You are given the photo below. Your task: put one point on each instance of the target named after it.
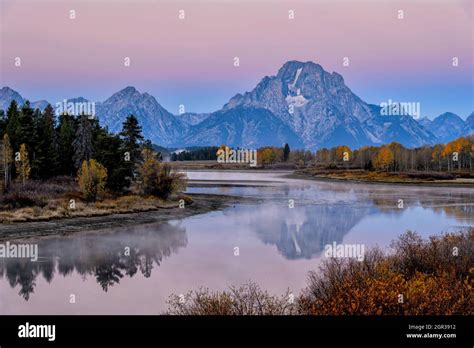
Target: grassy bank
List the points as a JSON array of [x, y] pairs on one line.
[[416, 177], [420, 277], [59, 198], [202, 203]]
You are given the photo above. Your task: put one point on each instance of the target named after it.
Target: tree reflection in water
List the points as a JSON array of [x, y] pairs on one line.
[[108, 256]]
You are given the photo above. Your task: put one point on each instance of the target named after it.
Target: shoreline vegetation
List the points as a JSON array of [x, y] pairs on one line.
[[432, 276], [198, 204], [368, 177], [69, 167], [339, 174], [448, 164]]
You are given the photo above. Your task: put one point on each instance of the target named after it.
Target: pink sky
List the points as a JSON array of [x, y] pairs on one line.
[[190, 61]]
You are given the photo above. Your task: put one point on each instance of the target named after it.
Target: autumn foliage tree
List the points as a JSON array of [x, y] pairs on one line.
[[455, 155], [266, 155], [6, 159], [343, 153], [157, 179], [92, 178], [383, 159], [23, 168]]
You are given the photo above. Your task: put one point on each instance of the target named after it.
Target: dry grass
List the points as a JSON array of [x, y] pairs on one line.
[[388, 177], [248, 299], [47, 200], [60, 208], [420, 277]]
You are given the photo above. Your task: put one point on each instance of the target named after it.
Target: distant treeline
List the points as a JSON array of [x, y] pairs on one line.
[[266, 155], [196, 154], [455, 155]]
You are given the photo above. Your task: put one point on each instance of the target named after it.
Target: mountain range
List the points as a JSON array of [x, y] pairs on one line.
[[302, 105]]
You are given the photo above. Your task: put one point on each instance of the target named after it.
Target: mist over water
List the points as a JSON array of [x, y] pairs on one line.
[[133, 270]]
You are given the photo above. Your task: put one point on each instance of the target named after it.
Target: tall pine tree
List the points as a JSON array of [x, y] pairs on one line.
[[45, 155], [286, 152], [132, 137], [12, 123], [107, 152], [66, 134], [25, 130], [3, 123], [83, 146]]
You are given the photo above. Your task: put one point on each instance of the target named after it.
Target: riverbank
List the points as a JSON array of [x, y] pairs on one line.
[[443, 179], [418, 277], [214, 165], [368, 177], [200, 204]]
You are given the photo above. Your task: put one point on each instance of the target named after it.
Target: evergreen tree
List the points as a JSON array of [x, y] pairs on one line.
[[65, 149], [36, 157], [131, 136], [286, 152], [25, 129], [3, 123], [107, 152], [12, 123], [45, 154], [82, 144]]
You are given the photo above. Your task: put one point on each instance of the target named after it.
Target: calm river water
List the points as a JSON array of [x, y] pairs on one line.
[[277, 245]]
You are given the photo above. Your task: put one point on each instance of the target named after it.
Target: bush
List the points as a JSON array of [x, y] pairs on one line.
[[35, 193], [434, 277], [248, 299], [15, 199], [158, 179], [92, 178], [427, 273]]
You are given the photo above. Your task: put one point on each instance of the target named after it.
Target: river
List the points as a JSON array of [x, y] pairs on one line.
[[273, 242]]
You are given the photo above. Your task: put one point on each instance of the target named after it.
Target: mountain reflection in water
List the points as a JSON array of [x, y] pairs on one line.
[[278, 244]]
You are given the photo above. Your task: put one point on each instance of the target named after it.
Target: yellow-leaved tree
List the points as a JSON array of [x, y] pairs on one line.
[[6, 159], [266, 155], [383, 159], [344, 153], [92, 178], [23, 168]]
